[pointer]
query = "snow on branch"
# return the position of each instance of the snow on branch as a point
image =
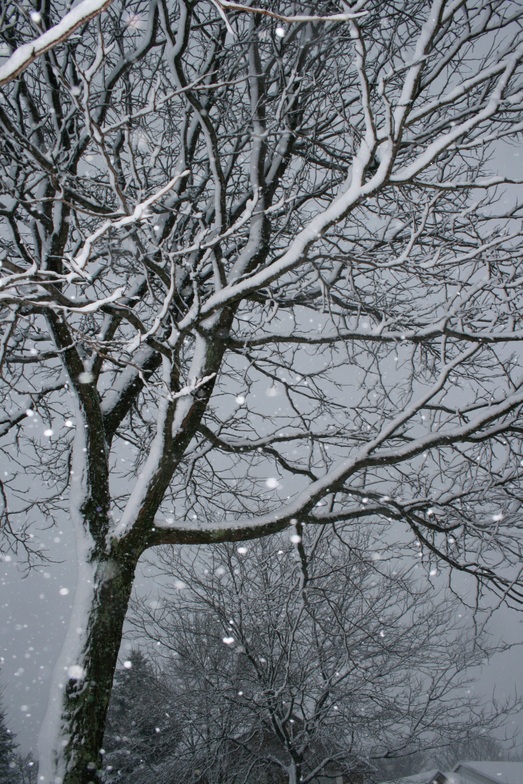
(227, 5)
(24, 55)
(368, 456)
(26, 406)
(139, 213)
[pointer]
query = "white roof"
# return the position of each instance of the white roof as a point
(471, 773)
(424, 777)
(487, 772)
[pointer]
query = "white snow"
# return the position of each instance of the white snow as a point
(24, 55)
(76, 672)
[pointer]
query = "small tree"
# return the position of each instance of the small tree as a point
(27, 769)
(292, 661)
(8, 756)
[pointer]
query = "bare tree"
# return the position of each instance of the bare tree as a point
(304, 659)
(482, 748)
(256, 272)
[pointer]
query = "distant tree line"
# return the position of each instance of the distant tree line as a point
(296, 659)
(15, 768)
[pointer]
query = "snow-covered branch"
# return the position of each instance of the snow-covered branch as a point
(24, 55)
(228, 5)
(368, 456)
(140, 213)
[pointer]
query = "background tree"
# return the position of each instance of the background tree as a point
(296, 661)
(211, 216)
(149, 730)
(483, 747)
(26, 770)
(142, 722)
(8, 755)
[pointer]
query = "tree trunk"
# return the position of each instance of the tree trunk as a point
(294, 773)
(71, 739)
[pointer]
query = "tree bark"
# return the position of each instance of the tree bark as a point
(71, 740)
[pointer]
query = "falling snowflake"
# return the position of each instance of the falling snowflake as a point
(135, 21)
